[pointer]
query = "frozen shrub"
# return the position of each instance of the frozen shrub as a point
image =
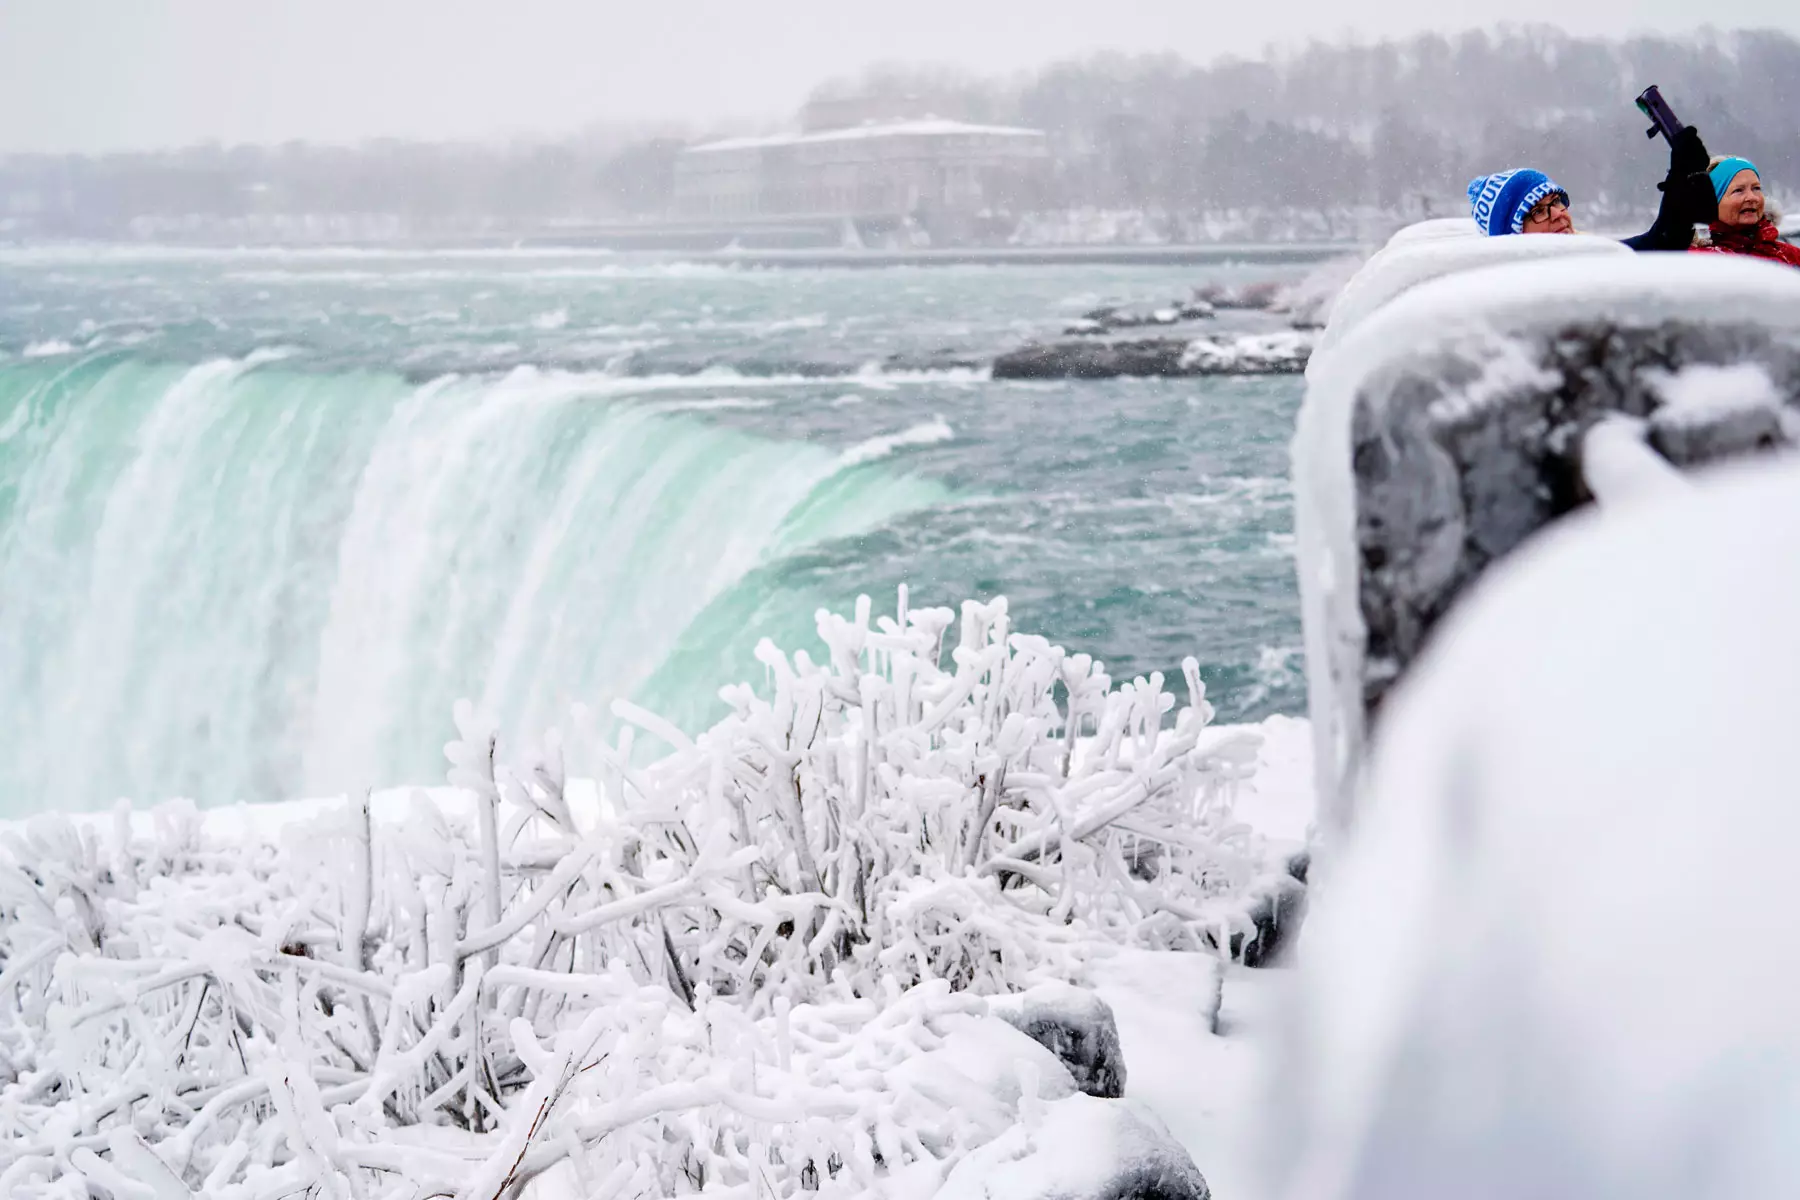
(695, 973)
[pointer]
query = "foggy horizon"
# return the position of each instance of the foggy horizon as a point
(82, 77)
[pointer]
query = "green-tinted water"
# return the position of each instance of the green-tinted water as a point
(263, 519)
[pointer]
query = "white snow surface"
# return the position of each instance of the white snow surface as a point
(1619, 465)
(1557, 956)
(1414, 258)
(1196, 1042)
(1247, 352)
(1700, 392)
(1069, 1149)
(1435, 229)
(1444, 292)
(765, 951)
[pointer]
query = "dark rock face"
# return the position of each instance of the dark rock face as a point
(1276, 907)
(1075, 1025)
(1155, 358)
(1462, 454)
(1093, 360)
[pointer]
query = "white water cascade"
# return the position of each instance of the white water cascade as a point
(233, 581)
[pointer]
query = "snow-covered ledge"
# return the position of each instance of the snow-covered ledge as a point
(1558, 956)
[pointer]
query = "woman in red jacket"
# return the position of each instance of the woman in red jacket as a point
(1744, 224)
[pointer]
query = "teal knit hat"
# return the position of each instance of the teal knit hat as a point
(1728, 170)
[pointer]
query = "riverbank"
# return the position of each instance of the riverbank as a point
(1218, 254)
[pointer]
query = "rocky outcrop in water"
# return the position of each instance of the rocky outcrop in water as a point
(1111, 319)
(1257, 354)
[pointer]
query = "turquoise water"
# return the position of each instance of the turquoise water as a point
(264, 518)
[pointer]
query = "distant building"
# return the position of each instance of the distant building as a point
(936, 172)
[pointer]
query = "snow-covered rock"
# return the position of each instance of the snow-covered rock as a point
(1081, 1148)
(1280, 353)
(1269, 914)
(1111, 317)
(1076, 1026)
(1441, 429)
(1556, 957)
(988, 1060)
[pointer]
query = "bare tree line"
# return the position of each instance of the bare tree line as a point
(1392, 125)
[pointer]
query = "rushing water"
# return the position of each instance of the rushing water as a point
(263, 518)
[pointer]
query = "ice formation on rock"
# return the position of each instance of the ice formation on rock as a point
(1443, 428)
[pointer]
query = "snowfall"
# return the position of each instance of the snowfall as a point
(942, 909)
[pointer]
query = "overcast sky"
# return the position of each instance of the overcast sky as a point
(131, 74)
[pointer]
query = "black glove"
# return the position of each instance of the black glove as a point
(1687, 155)
(1692, 200)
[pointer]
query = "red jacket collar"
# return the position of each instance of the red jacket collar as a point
(1765, 232)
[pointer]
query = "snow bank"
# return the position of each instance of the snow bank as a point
(1277, 801)
(1081, 1148)
(1440, 430)
(1557, 957)
(707, 969)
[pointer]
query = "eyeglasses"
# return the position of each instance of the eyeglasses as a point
(1547, 209)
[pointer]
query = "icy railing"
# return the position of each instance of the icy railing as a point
(1445, 426)
(1432, 250)
(702, 973)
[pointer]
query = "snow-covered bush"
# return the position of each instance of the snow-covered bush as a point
(697, 973)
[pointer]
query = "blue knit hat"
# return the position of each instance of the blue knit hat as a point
(1728, 170)
(1500, 202)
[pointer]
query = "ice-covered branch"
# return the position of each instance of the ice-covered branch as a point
(707, 981)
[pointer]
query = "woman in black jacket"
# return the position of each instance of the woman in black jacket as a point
(1687, 197)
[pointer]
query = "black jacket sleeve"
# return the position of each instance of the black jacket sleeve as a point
(1687, 197)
